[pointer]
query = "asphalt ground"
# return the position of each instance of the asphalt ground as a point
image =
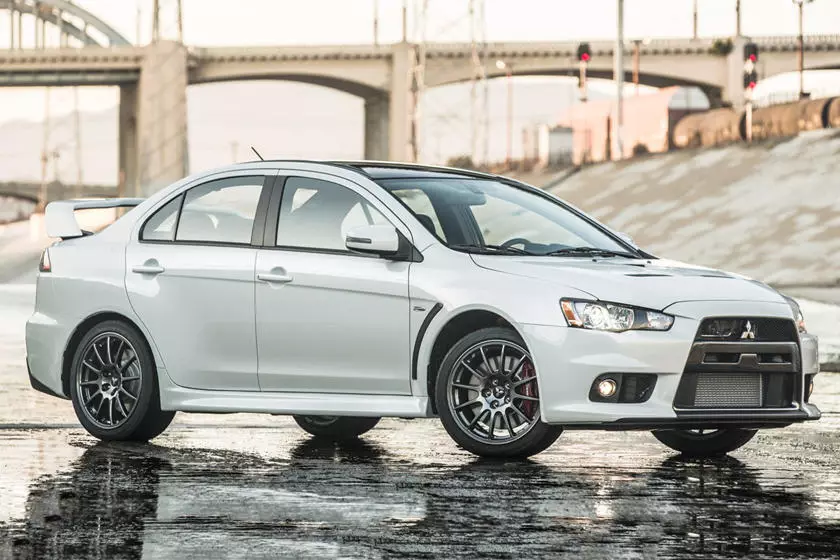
(253, 486)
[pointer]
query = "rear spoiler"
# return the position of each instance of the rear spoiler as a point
(60, 218)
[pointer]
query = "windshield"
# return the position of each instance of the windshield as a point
(484, 215)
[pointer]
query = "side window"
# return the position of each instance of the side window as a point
(161, 226)
(220, 211)
(419, 203)
(317, 214)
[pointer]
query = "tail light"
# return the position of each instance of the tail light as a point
(45, 265)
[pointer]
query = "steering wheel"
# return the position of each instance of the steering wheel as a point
(515, 241)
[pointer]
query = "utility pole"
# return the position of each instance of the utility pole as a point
(376, 23)
(405, 21)
(157, 32)
(12, 26)
(45, 152)
(619, 81)
(506, 66)
(801, 5)
(737, 18)
(695, 20)
(138, 18)
(478, 114)
(78, 126)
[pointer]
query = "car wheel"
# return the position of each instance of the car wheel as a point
(113, 385)
(337, 428)
(704, 443)
(488, 398)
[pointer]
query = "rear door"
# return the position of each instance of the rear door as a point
(190, 279)
(329, 320)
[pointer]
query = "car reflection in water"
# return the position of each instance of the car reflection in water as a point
(328, 500)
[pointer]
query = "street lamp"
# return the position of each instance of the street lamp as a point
(801, 5)
(637, 47)
(502, 65)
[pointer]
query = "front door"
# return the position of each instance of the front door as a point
(190, 279)
(329, 320)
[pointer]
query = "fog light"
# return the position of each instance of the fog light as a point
(607, 387)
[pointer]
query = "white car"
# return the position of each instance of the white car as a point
(344, 292)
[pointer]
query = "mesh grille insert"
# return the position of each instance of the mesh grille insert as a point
(729, 391)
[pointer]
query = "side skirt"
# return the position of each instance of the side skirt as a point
(182, 399)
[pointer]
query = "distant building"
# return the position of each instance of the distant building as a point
(547, 146)
(649, 120)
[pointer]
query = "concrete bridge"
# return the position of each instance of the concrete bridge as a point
(153, 79)
(54, 191)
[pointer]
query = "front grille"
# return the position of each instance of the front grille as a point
(747, 329)
(733, 390)
(730, 370)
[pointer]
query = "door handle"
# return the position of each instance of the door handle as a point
(274, 278)
(148, 267)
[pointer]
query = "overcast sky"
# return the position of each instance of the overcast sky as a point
(297, 110)
(281, 22)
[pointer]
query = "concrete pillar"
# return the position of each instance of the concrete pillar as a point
(162, 117)
(734, 90)
(127, 179)
(401, 105)
(377, 123)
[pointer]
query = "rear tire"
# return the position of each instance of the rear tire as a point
(114, 386)
(336, 428)
(488, 398)
(714, 443)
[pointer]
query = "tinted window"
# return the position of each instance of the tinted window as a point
(220, 211)
(419, 203)
(478, 212)
(317, 214)
(161, 226)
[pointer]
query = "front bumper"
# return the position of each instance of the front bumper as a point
(568, 360)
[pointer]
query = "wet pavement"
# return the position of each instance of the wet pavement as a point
(251, 486)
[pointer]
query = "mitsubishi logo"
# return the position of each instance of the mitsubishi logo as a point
(749, 332)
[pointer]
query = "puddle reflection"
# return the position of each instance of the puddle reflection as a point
(328, 500)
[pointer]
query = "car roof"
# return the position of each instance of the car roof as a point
(391, 170)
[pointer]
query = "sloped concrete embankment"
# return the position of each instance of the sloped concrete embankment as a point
(770, 211)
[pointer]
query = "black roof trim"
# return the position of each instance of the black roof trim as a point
(396, 165)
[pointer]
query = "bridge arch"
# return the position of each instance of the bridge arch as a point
(653, 79)
(358, 89)
(27, 197)
(78, 25)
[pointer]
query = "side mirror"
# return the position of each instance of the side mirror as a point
(626, 238)
(381, 240)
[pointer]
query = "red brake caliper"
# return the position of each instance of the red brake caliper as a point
(529, 389)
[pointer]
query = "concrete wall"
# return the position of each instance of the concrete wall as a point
(769, 211)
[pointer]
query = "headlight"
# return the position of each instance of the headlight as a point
(797, 313)
(603, 316)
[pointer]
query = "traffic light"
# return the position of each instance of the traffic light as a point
(750, 60)
(750, 79)
(751, 52)
(583, 52)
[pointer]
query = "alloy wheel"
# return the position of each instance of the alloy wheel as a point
(109, 380)
(493, 393)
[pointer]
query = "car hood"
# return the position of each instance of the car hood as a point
(654, 283)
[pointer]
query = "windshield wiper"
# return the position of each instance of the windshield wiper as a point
(589, 252)
(492, 250)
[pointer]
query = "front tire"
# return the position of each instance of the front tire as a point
(113, 385)
(488, 399)
(336, 428)
(704, 443)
